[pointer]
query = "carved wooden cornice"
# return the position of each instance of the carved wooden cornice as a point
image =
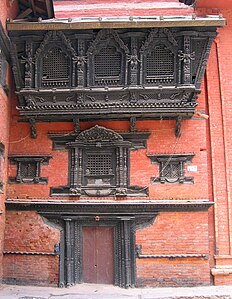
(93, 208)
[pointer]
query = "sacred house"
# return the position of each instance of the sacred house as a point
(115, 142)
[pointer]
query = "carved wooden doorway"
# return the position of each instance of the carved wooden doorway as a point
(98, 254)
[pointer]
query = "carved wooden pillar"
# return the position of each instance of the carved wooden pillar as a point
(28, 60)
(74, 168)
(126, 253)
(133, 60)
(68, 245)
(81, 64)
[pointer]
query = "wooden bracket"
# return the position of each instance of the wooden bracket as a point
(33, 128)
(77, 128)
(133, 124)
(178, 127)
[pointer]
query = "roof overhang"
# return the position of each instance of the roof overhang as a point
(117, 22)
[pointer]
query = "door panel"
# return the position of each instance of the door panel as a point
(98, 254)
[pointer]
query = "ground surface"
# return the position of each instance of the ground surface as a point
(92, 291)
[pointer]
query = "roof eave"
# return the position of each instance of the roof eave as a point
(117, 22)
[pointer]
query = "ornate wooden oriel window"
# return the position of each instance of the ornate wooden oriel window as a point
(107, 60)
(110, 73)
(2, 150)
(28, 169)
(171, 168)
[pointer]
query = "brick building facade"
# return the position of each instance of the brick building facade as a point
(111, 170)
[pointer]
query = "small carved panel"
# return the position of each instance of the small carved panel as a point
(28, 169)
(171, 168)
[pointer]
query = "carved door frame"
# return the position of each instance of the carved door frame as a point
(71, 250)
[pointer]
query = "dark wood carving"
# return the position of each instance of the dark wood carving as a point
(171, 168)
(110, 73)
(99, 166)
(28, 169)
(138, 140)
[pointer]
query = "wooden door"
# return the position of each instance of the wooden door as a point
(98, 255)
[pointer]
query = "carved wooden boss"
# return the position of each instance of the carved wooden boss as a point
(110, 73)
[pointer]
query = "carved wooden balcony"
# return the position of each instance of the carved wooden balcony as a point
(110, 73)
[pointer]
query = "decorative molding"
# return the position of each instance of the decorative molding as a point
(140, 255)
(30, 253)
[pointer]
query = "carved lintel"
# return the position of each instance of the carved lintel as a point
(33, 128)
(133, 124)
(77, 128)
(178, 126)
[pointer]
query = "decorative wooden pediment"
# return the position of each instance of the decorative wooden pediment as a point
(55, 39)
(104, 38)
(98, 134)
(156, 36)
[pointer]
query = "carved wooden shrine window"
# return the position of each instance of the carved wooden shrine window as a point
(55, 69)
(2, 150)
(99, 163)
(28, 169)
(172, 168)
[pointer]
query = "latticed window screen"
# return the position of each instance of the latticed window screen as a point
(108, 63)
(160, 62)
(28, 170)
(55, 68)
(172, 170)
(100, 164)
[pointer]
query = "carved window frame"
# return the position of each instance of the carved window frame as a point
(101, 141)
(106, 39)
(159, 37)
(167, 162)
(23, 161)
(2, 151)
(56, 40)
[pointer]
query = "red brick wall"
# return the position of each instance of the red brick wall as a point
(174, 233)
(27, 232)
(218, 94)
(6, 11)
